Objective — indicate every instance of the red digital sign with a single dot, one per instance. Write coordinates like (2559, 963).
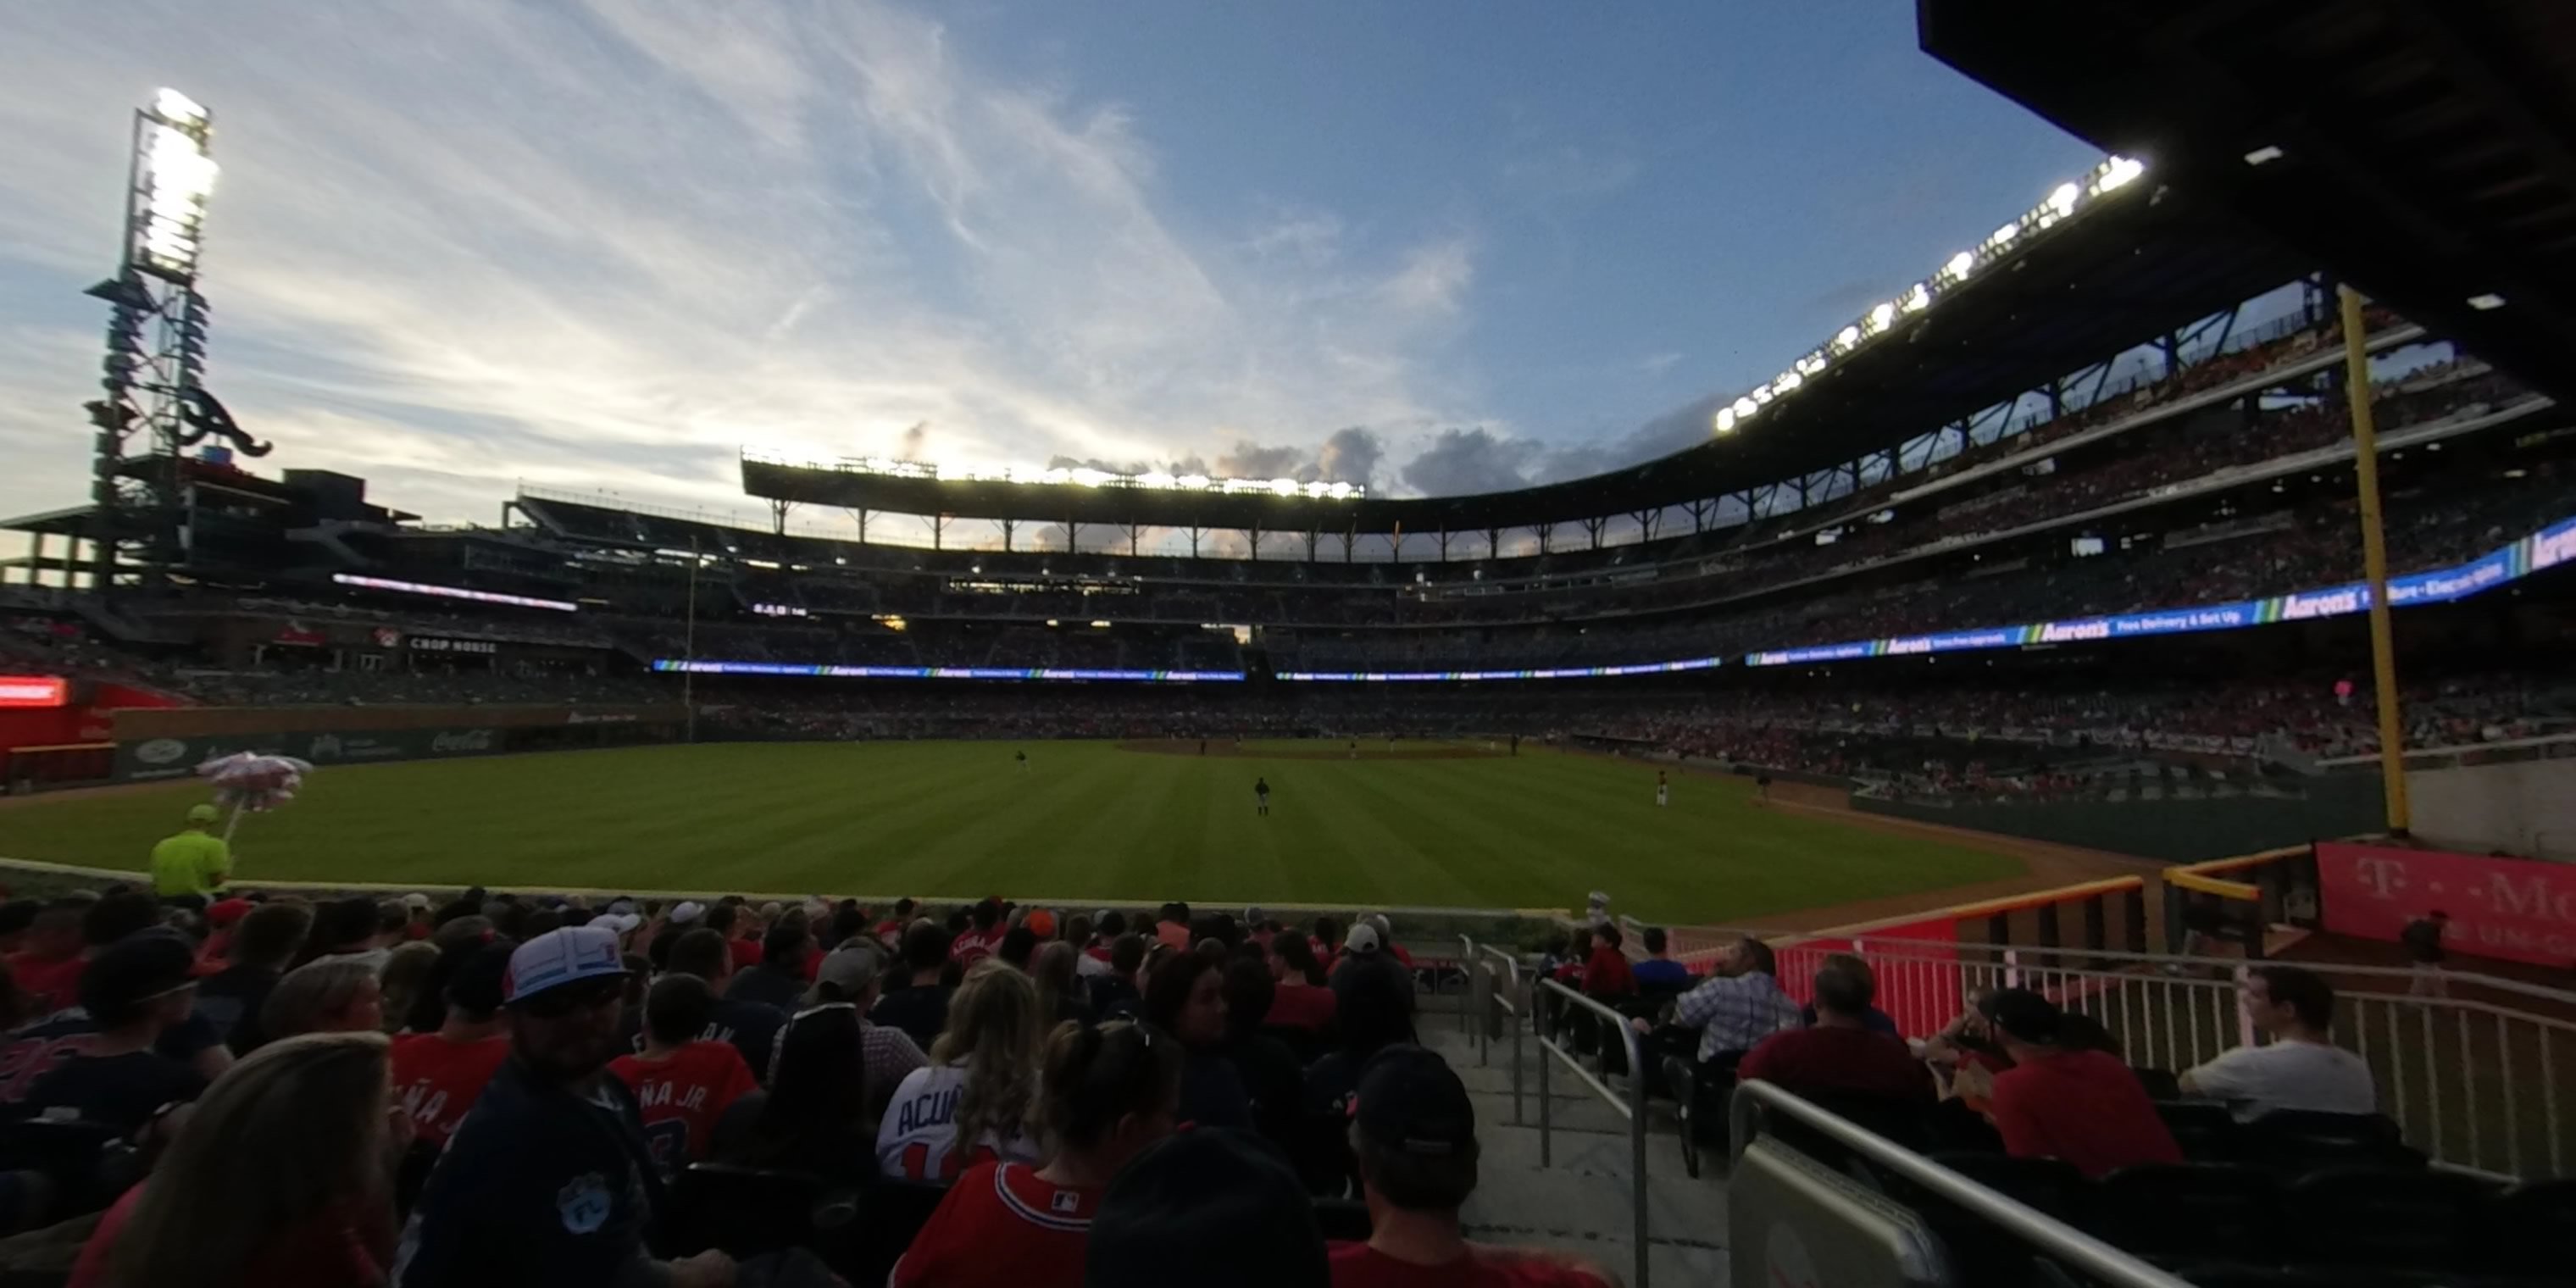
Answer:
(2521, 910)
(34, 691)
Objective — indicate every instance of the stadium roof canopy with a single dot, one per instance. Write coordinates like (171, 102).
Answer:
(2424, 150)
(2136, 265)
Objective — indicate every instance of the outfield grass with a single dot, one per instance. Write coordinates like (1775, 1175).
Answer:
(1086, 822)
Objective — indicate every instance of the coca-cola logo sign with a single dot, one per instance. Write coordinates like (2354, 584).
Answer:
(463, 741)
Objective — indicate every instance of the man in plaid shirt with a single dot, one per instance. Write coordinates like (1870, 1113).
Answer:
(1739, 1006)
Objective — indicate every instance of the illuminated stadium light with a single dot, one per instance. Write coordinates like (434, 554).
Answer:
(2264, 155)
(175, 178)
(670, 664)
(452, 592)
(2063, 202)
(2486, 301)
(1088, 477)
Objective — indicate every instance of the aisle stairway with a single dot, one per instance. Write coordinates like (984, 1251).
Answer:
(1583, 1200)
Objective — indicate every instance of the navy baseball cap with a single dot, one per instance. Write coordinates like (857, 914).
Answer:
(563, 956)
(1412, 1102)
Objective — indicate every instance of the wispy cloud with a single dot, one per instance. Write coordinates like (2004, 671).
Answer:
(463, 245)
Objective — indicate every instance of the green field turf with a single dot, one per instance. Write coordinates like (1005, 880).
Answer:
(1087, 822)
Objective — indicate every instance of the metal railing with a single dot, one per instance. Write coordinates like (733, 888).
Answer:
(2045, 1234)
(1632, 1106)
(1513, 1002)
(2471, 1076)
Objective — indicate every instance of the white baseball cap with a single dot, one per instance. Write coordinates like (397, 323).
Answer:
(1362, 939)
(688, 911)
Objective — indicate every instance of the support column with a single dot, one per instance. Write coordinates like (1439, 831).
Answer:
(1008, 527)
(2374, 563)
(1592, 527)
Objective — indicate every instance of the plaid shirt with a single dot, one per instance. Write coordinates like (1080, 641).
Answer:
(1734, 1013)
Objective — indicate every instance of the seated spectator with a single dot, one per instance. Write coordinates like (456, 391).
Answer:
(48, 969)
(438, 1076)
(1327, 942)
(1018, 948)
(1738, 1006)
(919, 1006)
(337, 994)
(1659, 972)
(972, 1102)
(1385, 928)
(889, 932)
(1115, 995)
(682, 1082)
(982, 935)
(1110, 1091)
(277, 1177)
(1185, 997)
(1875, 1020)
(407, 971)
(2081, 1106)
(751, 1027)
(814, 1117)
(1363, 957)
(741, 934)
(1301, 1001)
(1173, 930)
(1414, 1132)
(1840, 1052)
(1106, 927)
(2301, 1068)
(1205, 1207)
(1372, 1019)
(346, 929)
(1272, 1077)
(141, 987)
(263, 941)
(548, 1180)
(779, 980)
(1606, 976)
(1061, 995)
(848, 977)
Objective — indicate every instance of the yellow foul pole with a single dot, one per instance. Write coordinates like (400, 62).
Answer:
(2374, 562)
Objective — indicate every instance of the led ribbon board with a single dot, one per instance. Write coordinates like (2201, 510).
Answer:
(940, 672)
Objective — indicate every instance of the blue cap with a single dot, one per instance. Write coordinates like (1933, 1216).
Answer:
(559, 957)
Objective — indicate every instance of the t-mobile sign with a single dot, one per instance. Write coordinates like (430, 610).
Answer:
(34, 691)
(2518, 909)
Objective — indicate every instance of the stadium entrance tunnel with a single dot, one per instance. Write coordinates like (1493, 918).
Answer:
(1324, 748)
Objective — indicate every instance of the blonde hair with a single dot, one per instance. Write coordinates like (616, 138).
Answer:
(1059, 979)
(311, 993)
(992, 1031)
(296, 1129)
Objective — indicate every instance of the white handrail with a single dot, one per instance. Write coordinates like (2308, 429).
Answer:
(1634, 1110)
(2085, 1253)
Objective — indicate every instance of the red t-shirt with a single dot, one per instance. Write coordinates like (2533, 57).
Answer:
(2081, 1106)
(1173, 934)
(50, 986)
(1357, 1265)
(1096, 951)
(970, 947)
(437, 1080)
(1831, 1058)
(683, 1096)
(1607, 973)
(1301, 1006)
(746, 953)
(1001, 1226)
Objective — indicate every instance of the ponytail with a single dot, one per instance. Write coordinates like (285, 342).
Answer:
(1096, 1075)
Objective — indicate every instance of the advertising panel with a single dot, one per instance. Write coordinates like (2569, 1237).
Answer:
(149, 759)
(2521, 910)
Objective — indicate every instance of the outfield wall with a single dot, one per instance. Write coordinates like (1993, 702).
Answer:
(2186, 830)
(171, 743)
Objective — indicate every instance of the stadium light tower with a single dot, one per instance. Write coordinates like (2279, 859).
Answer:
(156, 349)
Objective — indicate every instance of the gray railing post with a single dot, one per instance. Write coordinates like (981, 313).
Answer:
(1634, 1108)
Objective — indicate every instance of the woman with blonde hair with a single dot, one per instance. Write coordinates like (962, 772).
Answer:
(326, 995)
(972, 1102)
(1061, 993)
(283, 1173)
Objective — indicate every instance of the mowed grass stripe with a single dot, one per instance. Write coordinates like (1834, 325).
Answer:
(957, 820)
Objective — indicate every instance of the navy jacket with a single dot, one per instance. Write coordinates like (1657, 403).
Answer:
(539, 1187)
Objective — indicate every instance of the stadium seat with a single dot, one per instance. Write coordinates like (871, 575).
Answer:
(2531, 1228)
(2392, 1218)
(2299, 1140)
(2207, 1132)
(2042, 1184)
(2188, 1213)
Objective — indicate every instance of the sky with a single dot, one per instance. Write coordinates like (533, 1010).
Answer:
(1427, 246)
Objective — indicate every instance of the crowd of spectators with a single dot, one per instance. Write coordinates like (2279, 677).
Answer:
(202, 1085)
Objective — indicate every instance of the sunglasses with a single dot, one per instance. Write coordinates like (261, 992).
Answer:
(555, 1003)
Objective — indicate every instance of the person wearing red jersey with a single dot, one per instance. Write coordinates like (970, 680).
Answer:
(1109, 1092)
(1414, 1131)
(981, 937)
(682, 1082)
(438, 1076)
(1303, 1002)
(48, 969)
